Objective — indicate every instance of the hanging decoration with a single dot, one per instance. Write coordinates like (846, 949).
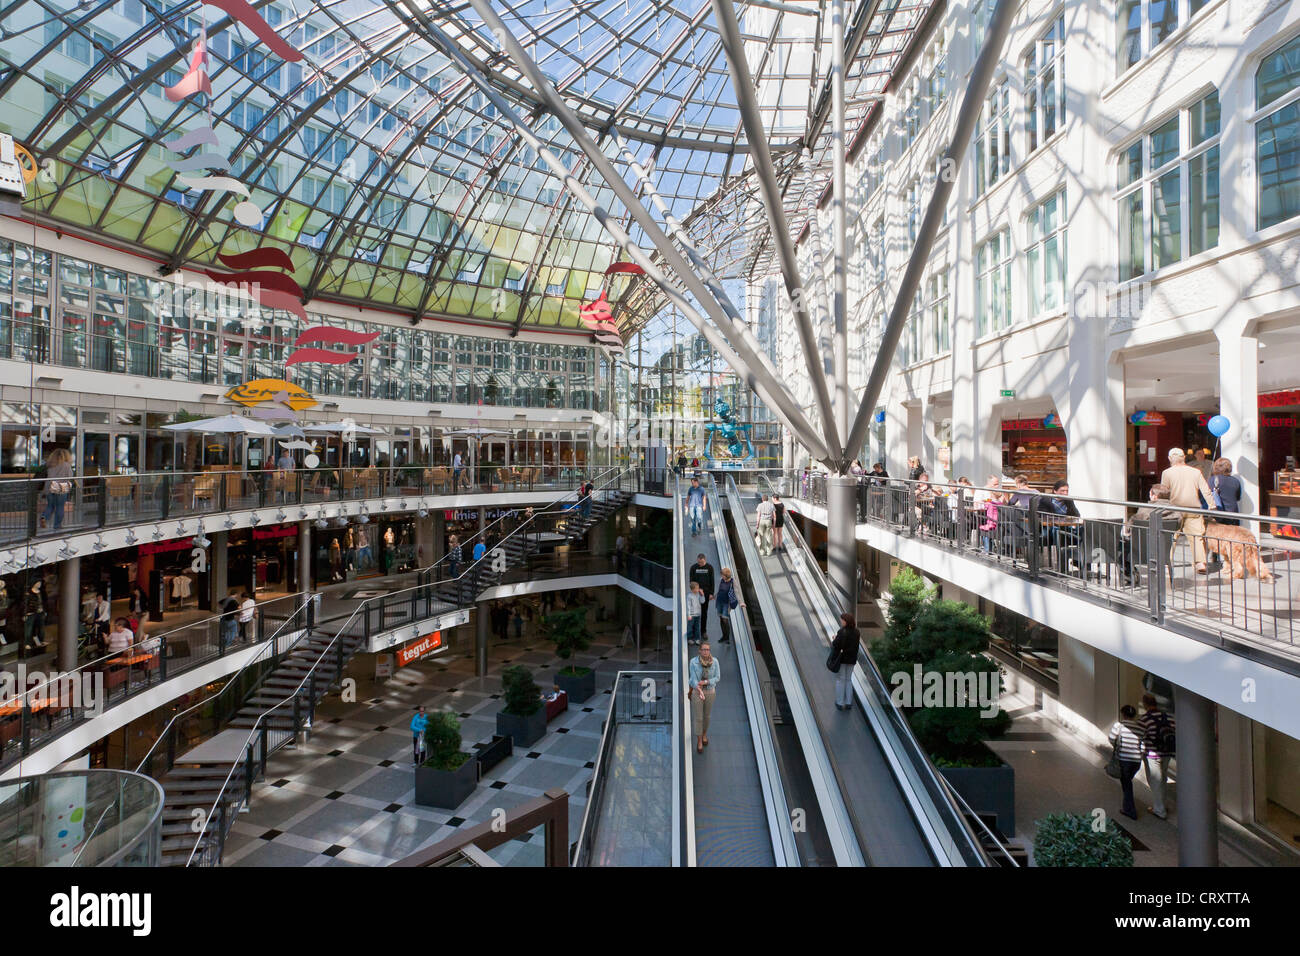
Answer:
(330, 336)
(241, 12)
(598, 316)
(734, 434)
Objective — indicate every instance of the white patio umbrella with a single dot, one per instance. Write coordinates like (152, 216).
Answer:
(338, 428)
(473, 436)
(221, 425)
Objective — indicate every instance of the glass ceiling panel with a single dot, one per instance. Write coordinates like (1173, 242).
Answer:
(387, 176)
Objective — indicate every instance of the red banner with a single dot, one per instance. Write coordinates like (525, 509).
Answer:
(1278, 399)
(414, 651)
(275, 531)
(180, 544)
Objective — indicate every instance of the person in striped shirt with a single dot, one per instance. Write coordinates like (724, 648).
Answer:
(1157, 750)
(1126, 737)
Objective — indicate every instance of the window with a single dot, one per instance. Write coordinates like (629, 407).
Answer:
(936, 299)
(1277, 135)
(993, 283)
(935, 84)
(1046, 255)
(878, 249)
(913, 209)
(1142, 25)
(1045, 85)
(1168, 202)
(909, 346)
(911, 115)
(993, 139)
(981, 16)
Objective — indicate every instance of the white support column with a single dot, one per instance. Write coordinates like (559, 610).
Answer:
(1239, 403)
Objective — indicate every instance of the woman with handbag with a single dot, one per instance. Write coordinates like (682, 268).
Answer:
(1126, 739)
(58, 472)
(726, 602)
(1225, 490)
(844, 648)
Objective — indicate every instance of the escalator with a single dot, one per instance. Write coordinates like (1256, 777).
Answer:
(885, 805)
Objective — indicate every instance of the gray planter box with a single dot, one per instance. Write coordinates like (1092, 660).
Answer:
(579, 689)
(988, 790)
(524, 731)
(445, 789)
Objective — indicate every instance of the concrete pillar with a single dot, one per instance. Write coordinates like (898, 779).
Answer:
(482, 632)
(1198, 778)
(1239, 403)
(841, 545)
(304, 557)
(217, 582)
(69, 612)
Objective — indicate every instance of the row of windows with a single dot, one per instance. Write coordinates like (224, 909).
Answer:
(1044, 262)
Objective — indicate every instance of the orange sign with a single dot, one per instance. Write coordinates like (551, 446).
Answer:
(416, 649)
(265, 390)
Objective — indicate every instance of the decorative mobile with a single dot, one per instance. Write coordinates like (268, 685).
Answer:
(599, 317)
(736, 435)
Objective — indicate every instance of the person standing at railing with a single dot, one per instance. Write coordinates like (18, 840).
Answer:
(586, 490)
(993, 501)
(914, 468)
(1185, 483)
(846, 644)
(58, 472)
(704, 677)
(457, 466)
(35, 610)
(229, 620)
(454, 556)
(697, 506)
(878, 490)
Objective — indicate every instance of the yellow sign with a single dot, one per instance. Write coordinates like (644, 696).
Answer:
(265, 390)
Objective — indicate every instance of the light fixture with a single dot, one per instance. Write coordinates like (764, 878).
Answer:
(322, 523)
(230, 523)
(255, 519)
(280, 516)
(423, 513)
(1020, 449)
(99, 543)
(37, 558)
(180, 529)
(158, 533)
(1051, 449)
(67, 551)
(130, 536)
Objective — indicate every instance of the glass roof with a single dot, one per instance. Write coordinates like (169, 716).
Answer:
(385, 174)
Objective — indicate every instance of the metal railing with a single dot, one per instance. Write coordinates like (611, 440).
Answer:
(34, 716)
(1140, 557)
(30, 510)
(627, 705)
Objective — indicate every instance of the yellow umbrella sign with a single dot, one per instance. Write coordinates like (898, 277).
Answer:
(266, 389)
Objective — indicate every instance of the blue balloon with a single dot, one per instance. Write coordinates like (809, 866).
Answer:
(880, 416)
(1218, 426)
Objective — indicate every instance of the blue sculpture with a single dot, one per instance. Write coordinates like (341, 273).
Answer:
(736, 435)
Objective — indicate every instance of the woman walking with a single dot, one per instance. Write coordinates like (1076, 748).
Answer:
(847, 642)
(704, 675)
(1227, 487)
(1126, 738)
(726, 601)
(778, 522)
(58, 472)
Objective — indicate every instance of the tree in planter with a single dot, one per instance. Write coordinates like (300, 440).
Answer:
(523, 696)
(442, 741)
(1071, 839)
(568, 630)
(942, 637)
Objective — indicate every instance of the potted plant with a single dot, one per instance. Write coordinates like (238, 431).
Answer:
(568, 631)
(932, 650)
(523, 718)
(448, 774)
(1074, 839)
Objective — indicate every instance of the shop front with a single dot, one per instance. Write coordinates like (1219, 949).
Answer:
(397, 546)
(1279, 447)
(1034, 447)
(263, 560)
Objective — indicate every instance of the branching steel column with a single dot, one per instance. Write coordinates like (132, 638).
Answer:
(753, 364)
(755, 378)
(743, 86)
(839, 266)
(967, 117)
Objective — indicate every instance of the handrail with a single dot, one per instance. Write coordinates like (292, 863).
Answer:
(874, 691)
(683, 769)
(784, 849)
(233, 680)
(836, 812)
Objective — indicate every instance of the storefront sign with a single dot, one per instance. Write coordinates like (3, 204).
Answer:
(180, 544)
(471, 514)
(1279, 399)
(265, 390)
(381, 643)
(1026, 424)
(275, 531)
(1264, 421)
(417, 649)
(1147, 418)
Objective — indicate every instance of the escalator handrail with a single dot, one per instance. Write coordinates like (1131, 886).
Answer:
(683, 770)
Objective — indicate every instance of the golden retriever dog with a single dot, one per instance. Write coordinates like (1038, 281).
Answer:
(1239, 548)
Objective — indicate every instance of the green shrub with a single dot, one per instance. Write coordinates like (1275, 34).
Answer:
(568, 630)
(1070, 839)
(523, 696)
(442, 741)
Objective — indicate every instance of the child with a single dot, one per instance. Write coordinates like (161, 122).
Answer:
(694, 604)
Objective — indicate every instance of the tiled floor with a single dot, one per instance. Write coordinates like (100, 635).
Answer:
(348, 795)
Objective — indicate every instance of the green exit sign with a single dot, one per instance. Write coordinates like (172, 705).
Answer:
(1008, 393)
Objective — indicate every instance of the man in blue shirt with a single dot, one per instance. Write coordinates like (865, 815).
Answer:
(480, 549)
(696, 506)
(419, 723)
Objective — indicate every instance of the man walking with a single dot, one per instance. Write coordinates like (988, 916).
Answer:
(697, 506)
(1185, 483)
(766, 515)
(246, 611)
(702, 574)
(1157, 750)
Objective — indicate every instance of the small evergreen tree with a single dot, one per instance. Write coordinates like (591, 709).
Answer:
(908, 594)
(1073, 839)
(442, 741)
(523, 696)
(568, 630)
